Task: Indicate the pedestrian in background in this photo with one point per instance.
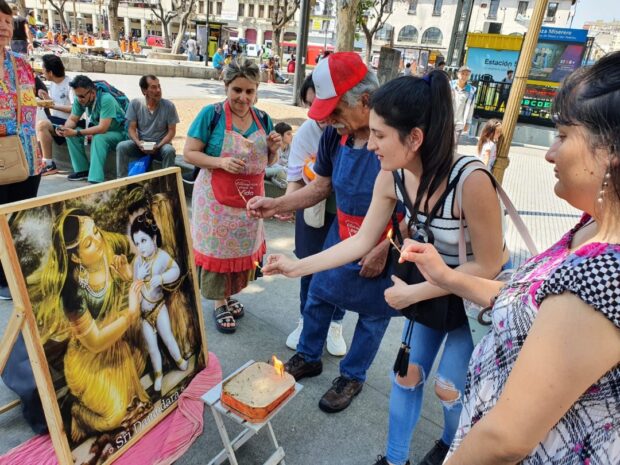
(487, 145)
(463, 95)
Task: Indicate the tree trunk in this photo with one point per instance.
(368, 48)
(113, 19)
(345, 21)
(275, 46)
(166, 29)
(182, 29)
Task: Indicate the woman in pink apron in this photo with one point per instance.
(232, 143)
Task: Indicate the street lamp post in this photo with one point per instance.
(302, 46)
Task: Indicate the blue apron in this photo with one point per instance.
(353, 179)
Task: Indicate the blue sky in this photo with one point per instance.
(591, 10)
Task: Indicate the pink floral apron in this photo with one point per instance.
(226, 239)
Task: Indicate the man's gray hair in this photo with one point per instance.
(368, 85)
(247, 69)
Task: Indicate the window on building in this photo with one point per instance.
(390, 6)
(385, 33)
(241, 11)
(201, 6)
(408, 34)
(522, 8)
(261, 11)
(413, 7)
(270, 11)
(432, 36)
(251, 10)
(552, 9)
(219, 8)
(493, 7)
(437, 7)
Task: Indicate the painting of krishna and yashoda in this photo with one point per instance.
(116, 309)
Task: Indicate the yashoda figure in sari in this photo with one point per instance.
(84, 294)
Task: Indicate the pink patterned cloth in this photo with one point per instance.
(164, 444)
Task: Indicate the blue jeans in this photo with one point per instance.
(406, 402)
(369, 331)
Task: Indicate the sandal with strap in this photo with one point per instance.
(222, 316)
(236, 308)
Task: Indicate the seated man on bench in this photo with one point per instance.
(152, 126)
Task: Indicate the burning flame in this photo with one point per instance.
(278, 366)
(257, 265)
(389, 236)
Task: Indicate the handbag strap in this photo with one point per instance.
(509, 206)
(19, 94)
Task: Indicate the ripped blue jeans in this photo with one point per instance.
(406, 402)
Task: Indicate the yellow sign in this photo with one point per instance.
(317, 24)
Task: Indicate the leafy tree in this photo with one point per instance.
(185, 9)
(59, 6)
(165, 17)
(371, 17)
(283, 12)
(346, 19)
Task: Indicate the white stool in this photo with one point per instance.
(212, 399)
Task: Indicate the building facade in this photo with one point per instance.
(247, 19)
(429, 24)
(606, 35)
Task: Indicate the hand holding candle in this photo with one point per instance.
(428, 261)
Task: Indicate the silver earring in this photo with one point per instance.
(606, 179)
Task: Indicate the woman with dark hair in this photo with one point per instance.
(232, 142)
(418, 146)
(544, 384)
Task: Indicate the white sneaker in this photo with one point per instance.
(335, 342)
(293, 339)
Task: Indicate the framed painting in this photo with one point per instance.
(106, 278)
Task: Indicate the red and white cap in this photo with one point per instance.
(333, 77)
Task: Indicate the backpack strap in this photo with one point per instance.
(508, 205)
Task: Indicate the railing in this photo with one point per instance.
(492, 98)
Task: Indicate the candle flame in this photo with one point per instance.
(278, 366)
(257, 265)
(389, 234)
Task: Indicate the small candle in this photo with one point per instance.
(257, 265)
(389, 236)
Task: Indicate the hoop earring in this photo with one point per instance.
(604, 186)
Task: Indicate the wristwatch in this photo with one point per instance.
(78, 132)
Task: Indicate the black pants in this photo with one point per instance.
(14, 192)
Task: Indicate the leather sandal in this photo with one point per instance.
(222, 316)
(235, 307)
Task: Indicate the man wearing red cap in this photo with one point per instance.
(343, 86)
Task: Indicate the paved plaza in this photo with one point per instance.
(308, 435)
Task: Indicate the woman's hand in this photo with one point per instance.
(281, 264)
(399, 295)
(274, 141)
(121, 267)
(135, 299)
(68, 132)
(232, 165)
(427, 259)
